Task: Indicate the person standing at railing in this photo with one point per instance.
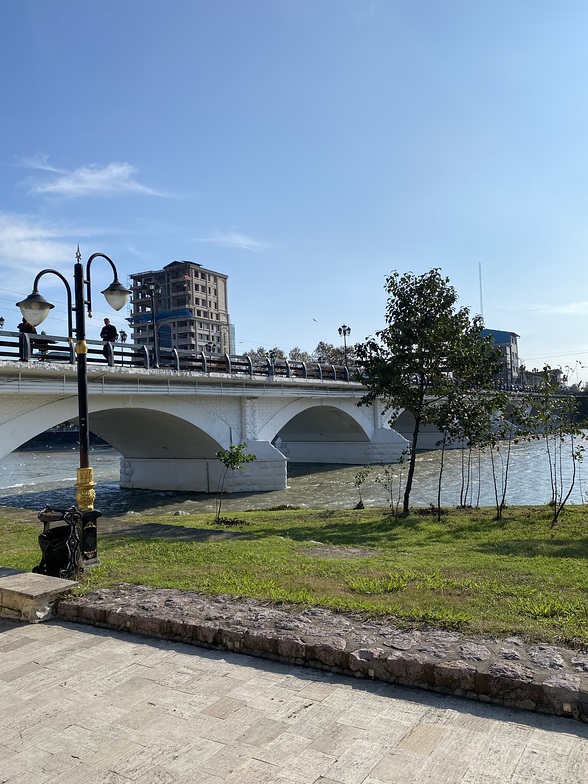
(109, 334)
(24, 326)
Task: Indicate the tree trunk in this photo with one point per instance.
(411, 467)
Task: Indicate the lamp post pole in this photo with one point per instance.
(344, 331)
(1, 322)
(123, 340)
(35, 310)
(155, 290)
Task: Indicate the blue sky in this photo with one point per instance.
(306, 148)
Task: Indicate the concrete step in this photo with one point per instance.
(29, 597)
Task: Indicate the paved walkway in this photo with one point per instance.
(80, 705)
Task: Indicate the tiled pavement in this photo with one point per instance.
(80, 705)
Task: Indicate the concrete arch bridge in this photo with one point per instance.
(169, 424)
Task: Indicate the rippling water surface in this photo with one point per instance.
(31, 479)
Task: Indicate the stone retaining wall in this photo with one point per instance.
(508, 672)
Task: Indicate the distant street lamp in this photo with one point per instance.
(1, 322)
(208, 347)
(123, 339)
(35, 310)
(155, 290)
(344, 331)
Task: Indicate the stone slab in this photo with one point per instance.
(82, 705)
(29, 597)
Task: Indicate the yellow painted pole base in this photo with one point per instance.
(85, 493)
(85, 497)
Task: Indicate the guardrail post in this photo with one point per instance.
(145, 353)
(109, 353)
(24, 347)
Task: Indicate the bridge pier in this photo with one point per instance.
(267, 472)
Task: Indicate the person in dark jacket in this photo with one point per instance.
(24, 326)
(108, 334)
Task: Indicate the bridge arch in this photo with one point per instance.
(156, 428)
(304, 420)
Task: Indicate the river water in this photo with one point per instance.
(31, 479)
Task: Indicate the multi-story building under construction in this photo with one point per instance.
(183, 306)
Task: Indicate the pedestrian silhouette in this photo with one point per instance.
(109, 334)
(25, 326)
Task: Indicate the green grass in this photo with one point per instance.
(467, 572)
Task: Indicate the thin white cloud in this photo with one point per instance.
(40, 162)
(93, 180)
(569, 309)
(28, 243)
(234, 239)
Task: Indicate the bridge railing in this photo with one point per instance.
(26, 347)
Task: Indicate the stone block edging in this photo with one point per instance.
(25, 596)
(506, 672)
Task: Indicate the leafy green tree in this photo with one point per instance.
(329, 354)
(261, 354)
(430, 351)
(297, 355)
(258, 354)
(233, 459)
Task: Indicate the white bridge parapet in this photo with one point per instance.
(168, 425)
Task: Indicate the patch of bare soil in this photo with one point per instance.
(339, 551)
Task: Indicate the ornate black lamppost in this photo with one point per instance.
(35, 310)
(344, 331)
(1, 322)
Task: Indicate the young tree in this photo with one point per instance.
(232, 459)
(553, 418)
(430, 351)
(359, 480)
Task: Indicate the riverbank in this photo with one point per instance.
(466, 572)
(469, 606)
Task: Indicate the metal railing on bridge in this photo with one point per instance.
(27, 347)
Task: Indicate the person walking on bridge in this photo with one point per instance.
(109, 334)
